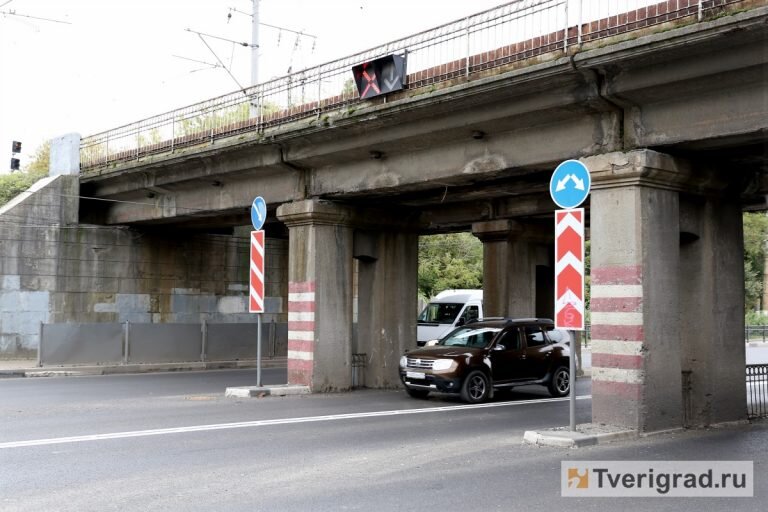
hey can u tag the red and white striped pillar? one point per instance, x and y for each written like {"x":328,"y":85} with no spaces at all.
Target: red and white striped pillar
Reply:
{"x":635,"y":306}
{"x":301,"y":332}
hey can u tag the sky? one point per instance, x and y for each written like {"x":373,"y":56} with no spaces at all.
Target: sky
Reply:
{"x":118,"y":61}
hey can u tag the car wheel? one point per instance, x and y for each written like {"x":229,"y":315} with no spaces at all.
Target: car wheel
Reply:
{"x":560,"y":384}
{"x":476,"y":388}
{"x":417,"y":393}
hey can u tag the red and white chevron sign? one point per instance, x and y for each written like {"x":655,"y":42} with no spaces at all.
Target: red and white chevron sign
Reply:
{"x":569,"y":269}
{"x":256,"y":302}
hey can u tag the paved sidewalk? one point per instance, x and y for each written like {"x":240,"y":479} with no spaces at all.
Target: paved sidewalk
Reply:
{"x":29,"y":368}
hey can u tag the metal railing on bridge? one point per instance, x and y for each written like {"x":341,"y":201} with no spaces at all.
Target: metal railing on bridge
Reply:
{"x":498,"y":37}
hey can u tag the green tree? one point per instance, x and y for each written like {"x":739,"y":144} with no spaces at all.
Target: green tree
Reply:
{"x":449,"y":261}
{"x":15,"y":183}
{"x":755,"y":237}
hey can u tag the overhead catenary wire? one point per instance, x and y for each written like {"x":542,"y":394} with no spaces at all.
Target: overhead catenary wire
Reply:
{"x":39,"y":18}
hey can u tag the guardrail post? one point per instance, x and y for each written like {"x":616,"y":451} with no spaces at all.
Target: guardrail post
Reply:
{"x":127,"y":342}
{"x":272,"y":338}
{"x":204,"y":341}
{"x":40,"y":347}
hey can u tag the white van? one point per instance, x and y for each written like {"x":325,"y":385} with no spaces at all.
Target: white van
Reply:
{"x":448,"y":310}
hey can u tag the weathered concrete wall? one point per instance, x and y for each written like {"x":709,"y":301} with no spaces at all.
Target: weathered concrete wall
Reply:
{"x":30,"y":227}
{"x":53,"y":270}
{"x":119,"y":275}
{"x":388,"y":278}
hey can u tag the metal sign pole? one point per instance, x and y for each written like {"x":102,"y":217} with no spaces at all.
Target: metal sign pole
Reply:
{"x":572,"y":370}
{"x":258,"y":352}
{"x":256,"y":280}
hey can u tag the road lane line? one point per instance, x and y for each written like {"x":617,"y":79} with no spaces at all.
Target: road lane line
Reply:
{"x":265,"y":423}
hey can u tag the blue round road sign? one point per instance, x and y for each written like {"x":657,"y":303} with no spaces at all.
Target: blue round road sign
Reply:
{"x":570,"y":184}
{"x":258,"y":213}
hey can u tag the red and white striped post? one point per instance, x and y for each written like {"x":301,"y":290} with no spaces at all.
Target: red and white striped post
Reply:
{"x":256,"y":301}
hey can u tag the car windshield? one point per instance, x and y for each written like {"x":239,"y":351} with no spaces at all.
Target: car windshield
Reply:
{"x":440,"y":312}
{"x":479,"y":337}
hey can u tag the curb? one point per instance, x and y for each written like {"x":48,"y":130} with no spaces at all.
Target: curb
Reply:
{"x":78,"y":371}
{"x":12,"y":373}
{"x":262,"y":391}
{"x":568,"y":439}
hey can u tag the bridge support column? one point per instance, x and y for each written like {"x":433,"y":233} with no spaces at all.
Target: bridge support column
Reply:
{"x":387,"y":302}
{"x":712,"y":311}
{"x":517,"y":268}
{"x":666,"y":296}
{"x":636,"y":379}
{"x":319,"y":294}
{"x":636,"y":376}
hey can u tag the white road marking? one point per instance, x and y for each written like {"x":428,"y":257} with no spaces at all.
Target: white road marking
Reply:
{"x":265,"y":423}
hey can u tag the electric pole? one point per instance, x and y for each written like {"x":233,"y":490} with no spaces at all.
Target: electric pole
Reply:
{"x":255,"y":43}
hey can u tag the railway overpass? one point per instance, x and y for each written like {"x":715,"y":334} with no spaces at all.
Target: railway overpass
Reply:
{"x":667,"y":105}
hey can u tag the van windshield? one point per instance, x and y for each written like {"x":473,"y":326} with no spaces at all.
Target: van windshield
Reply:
{"x":470,"y":337}
{"x":440,"y":313}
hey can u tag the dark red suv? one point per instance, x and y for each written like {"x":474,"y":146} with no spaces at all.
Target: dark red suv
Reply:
{"x":489,"y":354}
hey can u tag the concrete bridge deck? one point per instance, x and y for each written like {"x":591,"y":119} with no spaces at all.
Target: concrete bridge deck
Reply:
{"x":482,"y":145}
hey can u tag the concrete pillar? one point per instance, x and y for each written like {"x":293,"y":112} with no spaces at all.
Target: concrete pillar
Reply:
{"x":511,"y":253}
{"x":667,"y":295}
{"x":319,"y":294}
{"x":388,"y":275}
{"x":712,"y":311}
{"x":636,"y":374}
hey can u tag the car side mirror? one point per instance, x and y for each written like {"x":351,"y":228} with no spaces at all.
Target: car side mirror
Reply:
{"x":499,"y":348}
{"x":461,"y":322}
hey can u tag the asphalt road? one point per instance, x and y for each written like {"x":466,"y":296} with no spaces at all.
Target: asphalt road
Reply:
{"x":172,"y":442}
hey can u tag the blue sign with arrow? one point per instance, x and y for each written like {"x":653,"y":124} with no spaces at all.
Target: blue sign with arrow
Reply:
{"x":258,"y":213}
{"x":570,"y":184}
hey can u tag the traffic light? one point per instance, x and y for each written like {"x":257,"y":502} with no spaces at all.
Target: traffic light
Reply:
{"x":15,"y":164}
{"x":379,"y":76}
{"x":16,"y":147}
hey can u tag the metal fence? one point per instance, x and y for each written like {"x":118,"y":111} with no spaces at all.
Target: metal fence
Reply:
{"x":136,"y":343}
{"x":757,"y":390}
{"x":756,"y":333}
{"x":514,"y":31}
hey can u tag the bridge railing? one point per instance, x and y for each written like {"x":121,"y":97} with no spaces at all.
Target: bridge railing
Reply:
{"x":514,"y":31}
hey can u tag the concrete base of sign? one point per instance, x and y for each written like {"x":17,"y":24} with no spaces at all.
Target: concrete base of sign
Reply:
{"x":263,"y":391}
{"x":587,"y":434}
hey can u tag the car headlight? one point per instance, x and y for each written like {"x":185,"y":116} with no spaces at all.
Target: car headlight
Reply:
{"x":403,"y":362}
{"x":443,"y":364}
